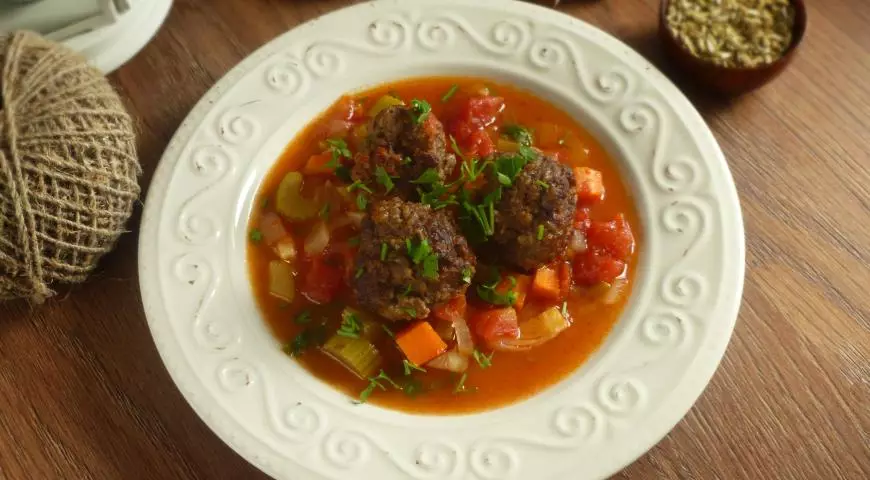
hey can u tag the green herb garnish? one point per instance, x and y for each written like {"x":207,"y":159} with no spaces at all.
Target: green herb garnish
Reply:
{"x":450,"y":92}
{"x":418,"y":252}
{"x":410,"y":311}
{"x":384,"y":178}
{"x":467,"y":273}
{"x":460,"y":385}
{"x":350,"y":325}
{"x":540,"y":232}
{"x":256,"y":235}
{"x":359,"y":272}
{"x":420,"y":109}
{"x":543,"y":184}
{"x":389,"y":332}
{"x":518,"y":133}
{"x":338,"y":149}
{"x":310,"y":336}
{"x":410,"y":366}
{"x":406,"y":291}
{"x":430,"y":267}
{"x":482,"y":359}
{"x":565,"y":309}
{"x":358,"y":185}
{"x":428,"y":177}
{"x":487,"y":292}
{"x":413,"y":387}
{"x":455,"y":148}
{"x":384,"y":249}
{"x":303,"y":318}
{"x":406,"y":161}
{"x":362,"y":201}
{"x":324,"y":212}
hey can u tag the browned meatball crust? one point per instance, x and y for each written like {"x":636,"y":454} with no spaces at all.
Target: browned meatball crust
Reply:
{"x":396,"y":287}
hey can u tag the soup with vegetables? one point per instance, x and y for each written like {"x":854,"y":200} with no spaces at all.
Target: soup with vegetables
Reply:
{"x":442,"y":245}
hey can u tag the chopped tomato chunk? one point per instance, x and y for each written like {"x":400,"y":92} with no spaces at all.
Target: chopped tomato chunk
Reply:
{"x":594,"y":266}
{"x":614,"y":237}
{"x":349,"y":109}
{"x":324,"y":279}
{"x":472,"y":117}
{"x":451,"y":310}
{"x":479,"y":144}
{"x":590,"y":185}
{"x":493,"y":324}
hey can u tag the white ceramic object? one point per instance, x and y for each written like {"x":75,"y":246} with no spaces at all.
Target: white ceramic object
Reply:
{"x":110,"y":46}
{"x":646,"y":376}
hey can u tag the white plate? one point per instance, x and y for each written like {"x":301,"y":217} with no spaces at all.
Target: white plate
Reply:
{"x":652,"y":367}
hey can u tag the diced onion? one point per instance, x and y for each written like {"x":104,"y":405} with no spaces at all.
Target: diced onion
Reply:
{"x":578,"y":242}
{"x":534,"y":332}
{"x":272,"y":228}
{"x":317,"y":239}
{"x":286,"y":249}
{"x":338,"y":128}
{"x":349,"y":219}
{"x":464,"y":342}
{"x":615,"y":292}
{"x":451,"y":361}
{"x":282,"y":284}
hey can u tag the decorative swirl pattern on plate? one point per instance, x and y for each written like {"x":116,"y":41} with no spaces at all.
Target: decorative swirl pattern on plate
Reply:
{"x":211,"y":163}
{"x":494,"y":462}
{"x":621,"y":397}
{"x":643,"y":121}
{"x":344,"y":449}
{"x":436,"y":460}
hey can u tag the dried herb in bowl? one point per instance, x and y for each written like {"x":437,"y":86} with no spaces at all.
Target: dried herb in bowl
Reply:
{"x":733,"y":33}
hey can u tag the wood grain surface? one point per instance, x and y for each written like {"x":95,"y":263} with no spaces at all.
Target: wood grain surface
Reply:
{"x":83,"y":394}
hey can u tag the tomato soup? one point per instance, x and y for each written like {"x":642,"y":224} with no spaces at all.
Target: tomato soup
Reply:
{"x":505,"y":245}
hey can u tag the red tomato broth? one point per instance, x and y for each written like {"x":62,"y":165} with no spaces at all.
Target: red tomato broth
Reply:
{"x":511,"y":376}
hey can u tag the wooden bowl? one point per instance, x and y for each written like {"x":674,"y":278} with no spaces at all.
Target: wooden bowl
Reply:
{"x":730,"y":80}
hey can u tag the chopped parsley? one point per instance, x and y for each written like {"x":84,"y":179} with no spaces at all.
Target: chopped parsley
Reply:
{"x":338,"y":149}
{"x":565,"y":309}
{"x":503,"y":179}
{"x":303,"y":318}
{"x":359,"y":272}
{"x":437,"y":196}
{"x":389,"y":332}
{"x":419,"y":251}
{"x":375,"y":382}
{"x":410,"y":366}
{"x":384,"y":179}
{"x":482,"y":359}
{"x":428,"y":177}
{"x":460,"y":385}
{"x":413,"y":387}
{"x":455,"y":148}
{"x":362,"y":201}
{"x":543,"y":184}
{"x":420,"y":109}
{"x":518,"y":133}
{"x":487,"y":292}
{"x":540,"y":232}
{"x":467,"y":273}
{"x":430,"y":267}
{"x":358,"y":185}
{"x":351,"y":326}
{"x":407,"y":161}
{"x":450,"y":92}
{"x":406,"y":291}
{"x":324,"y":212}
{"x":384,"y":249}
{"x":256,"y":235}
{"x":472,"y":168}
{"x":310,"y":336}
{"x":410,"y":311}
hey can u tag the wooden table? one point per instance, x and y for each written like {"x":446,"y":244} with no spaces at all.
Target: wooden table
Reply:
{"x":83,"y":393}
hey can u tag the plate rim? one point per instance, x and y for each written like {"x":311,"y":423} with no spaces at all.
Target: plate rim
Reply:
{"x":162,"y":177}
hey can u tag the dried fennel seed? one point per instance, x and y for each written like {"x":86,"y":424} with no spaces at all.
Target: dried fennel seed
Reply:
{"x":733,"y":33}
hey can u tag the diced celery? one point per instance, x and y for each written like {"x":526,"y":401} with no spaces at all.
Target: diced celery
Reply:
{"x":281,"y":282}
{"x":289,"y":201}
{"x":357,"y":354}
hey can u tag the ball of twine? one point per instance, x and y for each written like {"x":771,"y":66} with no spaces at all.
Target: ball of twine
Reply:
{"x":68,"y":166}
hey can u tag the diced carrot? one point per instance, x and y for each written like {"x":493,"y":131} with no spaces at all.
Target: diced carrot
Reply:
{"x":492,"y":324}
{"x":590,"y":186}
{"x":520,"y":288}
{"x":317,"y":164}
{"x":451,"y":310}
{"x":546,"y":284}
{"x":420,"y":343}
{"x":564,"y":279}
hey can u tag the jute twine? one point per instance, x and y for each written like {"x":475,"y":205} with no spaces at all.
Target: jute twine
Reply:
{"x":68,"y":167}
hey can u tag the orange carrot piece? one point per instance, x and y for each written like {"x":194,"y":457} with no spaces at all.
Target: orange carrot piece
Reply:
{"x":589,"y":184}
{"x":546,"y":284}
{"x":521,"y":289}
{"x":420,"y":343}
{"x":317,"y":164}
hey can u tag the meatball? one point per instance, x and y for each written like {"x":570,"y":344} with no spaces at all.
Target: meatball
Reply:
{"x":396,"y":276}
{"x":405,"y":149}
{"x":534,"y":217}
